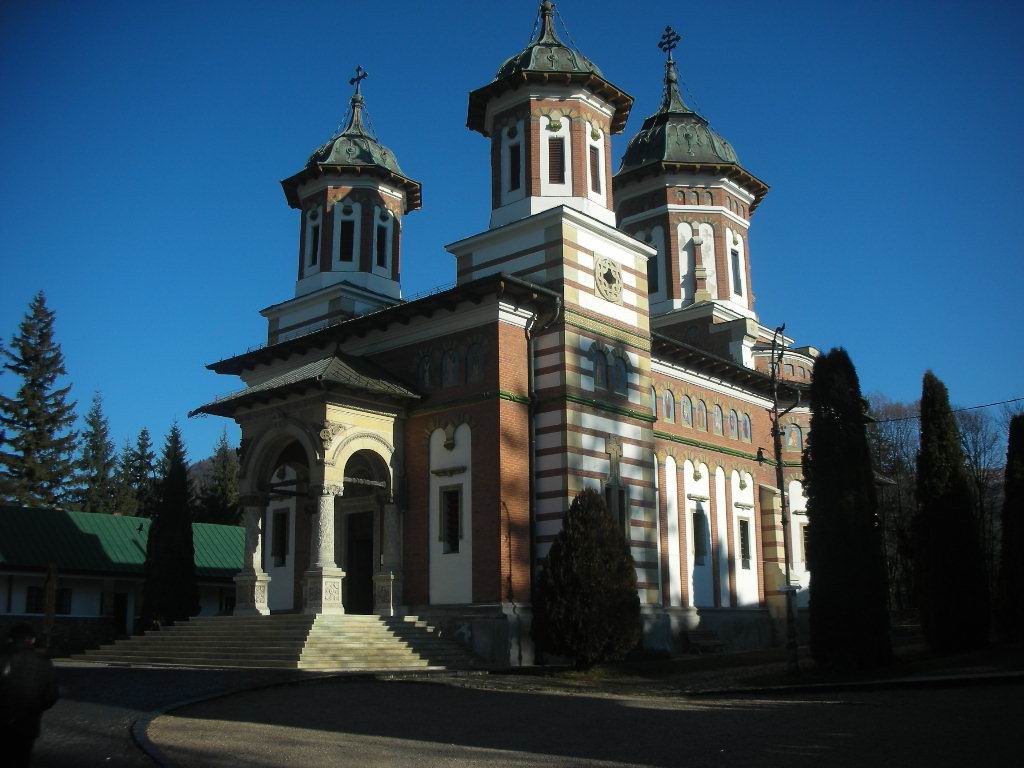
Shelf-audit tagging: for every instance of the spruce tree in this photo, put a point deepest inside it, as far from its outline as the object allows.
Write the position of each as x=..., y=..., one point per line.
x=849, y=620
x=218, y=501
x=96, y=488
x=1010, y=597
x=587, y=607
x=37, y=462
x=126, y=502
x=950, y=578
x=143, y=474
x=170, y=591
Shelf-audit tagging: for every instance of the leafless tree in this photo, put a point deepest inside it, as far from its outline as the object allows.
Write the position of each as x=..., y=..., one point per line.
x=983, y=439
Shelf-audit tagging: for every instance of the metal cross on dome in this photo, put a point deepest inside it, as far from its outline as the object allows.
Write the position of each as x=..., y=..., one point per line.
x=361, y=74
x=669, y=40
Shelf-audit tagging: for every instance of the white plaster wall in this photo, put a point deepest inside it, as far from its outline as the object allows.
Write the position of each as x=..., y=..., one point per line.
x=675, y=584
x=722, y=537
x=451, y=575
x=547, y=189
x=707, y=250
x=507, y=195
x=355, y=217
x=598, y=144
x=698, y=494
x=743, y=508
x=797, y=519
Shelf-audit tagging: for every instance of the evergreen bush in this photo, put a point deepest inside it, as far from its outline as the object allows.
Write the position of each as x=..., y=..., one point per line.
x=587, y=608
x=1010, y=597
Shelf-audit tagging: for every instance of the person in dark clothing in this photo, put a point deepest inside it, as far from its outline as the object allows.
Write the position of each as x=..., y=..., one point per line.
x=28, y=687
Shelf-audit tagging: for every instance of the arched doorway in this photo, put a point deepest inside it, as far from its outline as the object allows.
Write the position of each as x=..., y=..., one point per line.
x=283, y=525
x=367, y=487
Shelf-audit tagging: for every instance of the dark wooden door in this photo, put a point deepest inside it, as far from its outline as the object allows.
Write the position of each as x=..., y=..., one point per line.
x=359, y=570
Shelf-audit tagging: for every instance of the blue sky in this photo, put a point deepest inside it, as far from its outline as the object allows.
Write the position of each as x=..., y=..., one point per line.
x=142, y=145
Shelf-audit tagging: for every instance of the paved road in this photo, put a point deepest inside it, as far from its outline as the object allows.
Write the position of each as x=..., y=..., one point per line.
x=369, y=723
x=89, y=725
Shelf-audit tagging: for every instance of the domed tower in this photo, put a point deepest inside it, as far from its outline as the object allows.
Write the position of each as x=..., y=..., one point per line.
x=549, y=113
x=682, y=190
x=352, y=194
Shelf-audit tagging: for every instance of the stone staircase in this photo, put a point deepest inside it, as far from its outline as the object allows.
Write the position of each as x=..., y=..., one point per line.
x=292, y=641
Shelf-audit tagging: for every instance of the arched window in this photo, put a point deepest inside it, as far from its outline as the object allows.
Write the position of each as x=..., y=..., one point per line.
x=686, y=411
x=450, y=369
x=708, y=199
x=600, y=368
x=794, y=438
x=668, y=406
x=474, y=364
x=620, y=376
x=654, y=402
x=745, y=431
x=717, y=420
x=787, y=369
x=734, y=425
x=702, y=416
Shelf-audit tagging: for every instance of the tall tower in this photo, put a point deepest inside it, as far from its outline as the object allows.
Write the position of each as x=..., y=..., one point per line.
x=682, y=190
x=549, y=113
x=352, y=195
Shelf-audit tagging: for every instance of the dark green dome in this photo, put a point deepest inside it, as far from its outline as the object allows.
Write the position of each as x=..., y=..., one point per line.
x=676, y=134
x=356, y=145
x=547, y=53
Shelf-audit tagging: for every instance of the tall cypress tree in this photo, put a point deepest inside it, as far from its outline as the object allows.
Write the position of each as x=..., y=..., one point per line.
x=143, y=474
x=951, y=583
x=97, y=490
x=37, y=462
x=848, y=615
x=218, y=499
x=170, y=591
x=1010, y=597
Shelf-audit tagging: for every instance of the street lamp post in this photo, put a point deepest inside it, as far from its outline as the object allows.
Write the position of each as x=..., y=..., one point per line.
x=792, y=658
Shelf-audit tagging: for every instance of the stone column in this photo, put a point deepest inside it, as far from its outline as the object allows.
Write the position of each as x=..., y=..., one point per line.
x=774, y=558
x=322, y=582
x=251, y=582
x=387, y=581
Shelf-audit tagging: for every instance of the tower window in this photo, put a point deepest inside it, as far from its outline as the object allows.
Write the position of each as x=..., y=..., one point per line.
x=314, y=246
x=514, y=158
x=737, y=280
x=745, y=544
x=347, y=238
x=382, y=245
x=595, y=170
x=701, y=536
x=450, y=519
x=556, y=160
x=652, y=274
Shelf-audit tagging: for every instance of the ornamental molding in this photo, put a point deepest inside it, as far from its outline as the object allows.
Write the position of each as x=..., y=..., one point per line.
x=608, y=276
x=328, y=430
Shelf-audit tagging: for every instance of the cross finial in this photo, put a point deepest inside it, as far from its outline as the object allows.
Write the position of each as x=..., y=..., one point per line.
x=669, y=40
x=361, y=74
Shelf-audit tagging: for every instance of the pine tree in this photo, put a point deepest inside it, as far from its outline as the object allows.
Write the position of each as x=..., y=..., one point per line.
x=170, y=591
x=37, y=462
x=849, y=590
x=1010, y=597
x=587, y=606
x=96, y=491
x=950, y=578
x=218, y=502
x=126, y=501
x=143, y=474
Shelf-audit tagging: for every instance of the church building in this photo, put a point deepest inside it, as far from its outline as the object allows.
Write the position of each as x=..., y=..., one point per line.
x=416, y=457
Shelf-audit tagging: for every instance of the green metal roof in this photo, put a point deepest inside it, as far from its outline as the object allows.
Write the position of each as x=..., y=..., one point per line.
x=546, y=53
x=86, y=542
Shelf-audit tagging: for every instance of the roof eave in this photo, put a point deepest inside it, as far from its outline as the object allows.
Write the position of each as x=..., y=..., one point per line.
x=478, y=99
x=413, y=189
x=733, y=171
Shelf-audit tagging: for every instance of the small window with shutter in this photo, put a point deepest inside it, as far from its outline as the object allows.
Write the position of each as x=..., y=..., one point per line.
x=556, y=160
x=745, y=544
x=314, y=246
x=382, y=245
x=595, y=170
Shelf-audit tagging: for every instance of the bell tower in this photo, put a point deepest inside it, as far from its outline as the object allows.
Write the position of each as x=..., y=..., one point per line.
x=550, y=114
x=352, y=195
x=682, y=190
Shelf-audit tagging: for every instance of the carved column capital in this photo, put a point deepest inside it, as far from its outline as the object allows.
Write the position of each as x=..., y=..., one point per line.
x=332, y=489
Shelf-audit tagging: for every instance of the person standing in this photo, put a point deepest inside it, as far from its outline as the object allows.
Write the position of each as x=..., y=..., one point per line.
x=28, y=687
